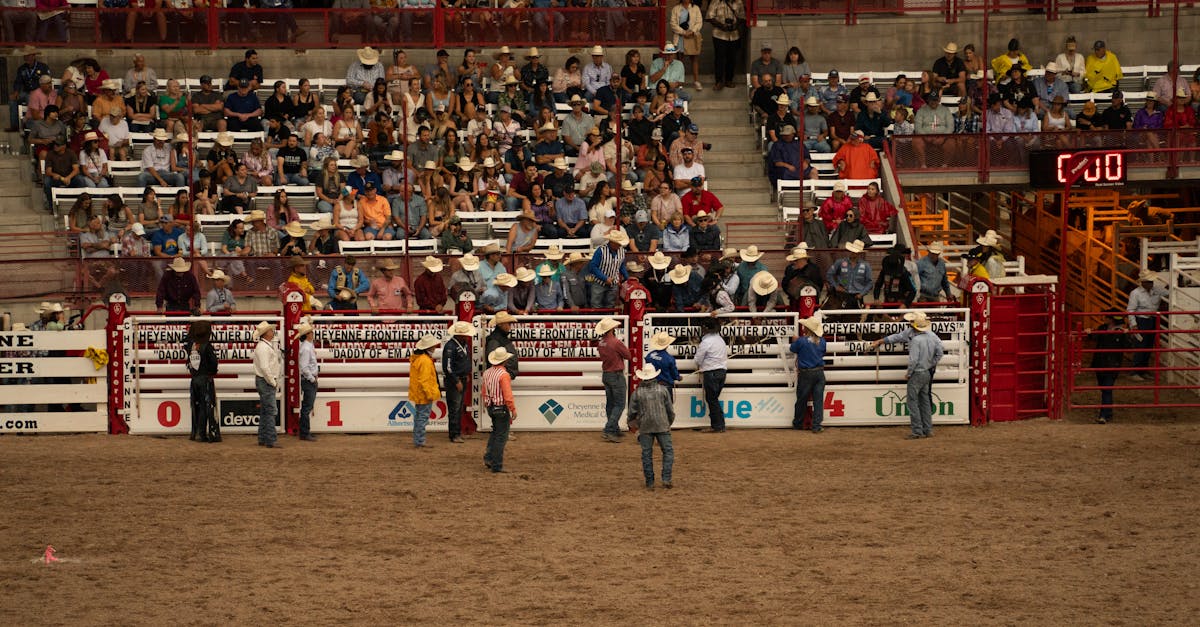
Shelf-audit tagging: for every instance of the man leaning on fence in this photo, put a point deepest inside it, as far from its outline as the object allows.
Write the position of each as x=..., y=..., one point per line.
x=1144, y=302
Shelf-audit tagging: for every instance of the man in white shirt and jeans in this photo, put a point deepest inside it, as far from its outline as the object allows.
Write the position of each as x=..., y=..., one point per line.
x=268, y=368
x=711, y=357
x=1144, y=302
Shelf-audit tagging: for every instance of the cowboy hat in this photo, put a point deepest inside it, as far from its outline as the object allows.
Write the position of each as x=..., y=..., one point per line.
x=263, y=328
x=548, y=126
x=367, y=56
x=427, y=342
x=533, y=52
x=628, y=186
x=856, y=246
x=179, y=264
x=361, y=161
x=524, y=275
x=19, y=326
x=304, y=328
x=294, y=229
x=43, y=307
x=91, y=136
x=58, y=308
x=256, y=215
x=647, y=372
x=554, y=252
x=429, y=165
x=527, y=215
x=617, y=237
x=462, y=327
x=502, y=51
x=160, y=135
x=488, y=163
x=811, y=101
x=491, y=249
x=658, y=261
x=935, y=248
x=950, y=48
x=661, y=340
x=813, y=324
x=764, y=284
x=839, y=186
x=296, y=260
x=560, y=163
x=787, y=129
x=605, y=325
x=511, y=80
x=729, y=253
x=670, y=49
x=499, y=356
x=545, y=270
x=1052, y=67
x=990, y=239
x=750, y=254
x=576, y=99
x=25, y=51
x=345, y=294
x=505, y=279
x=465, y=164
x=469, y=262
x=432, y=264
x=322, y=224
x=783, y=100
x=394, y=155
x=576, y=257
x=680, y=274
x=1147, y=275
x=799, y=252
x=634, y=267
x=390, y=264
x=224, y=139
x=108, y=83
x=597, y=51
x=218, y=275
x=502, y=318
x=871, y=97
x=919, y=320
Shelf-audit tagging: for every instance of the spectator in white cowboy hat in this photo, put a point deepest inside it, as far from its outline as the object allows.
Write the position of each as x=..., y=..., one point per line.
x=1145, y=301
x=268, y=380
x=652, y=409
x=703, y=235
x=1047, y=87
x=685, y=287
x=292, y=242
x=765, y=294
x=362, y=73
x=801, y=272
x=389, y=292
x=492, y=265
x=220, y=299
x=178, y=290
x=859, y=94
x=467, y=278
x=548, y=292
x=990, y=255
x=613, y=357
x=746, y=270
x=521, y=298
x=849, y=278
x=423, y=388
x=597, y=73
x=157, y=159
x=809, y=348
x=931, y=275
x=498, y=400
x=573, y=276
x=495, y=298
x=782, y=116
x=670, y=69
x=324, y=241
x=428, y=288
x=607, y=269
x=924, y=353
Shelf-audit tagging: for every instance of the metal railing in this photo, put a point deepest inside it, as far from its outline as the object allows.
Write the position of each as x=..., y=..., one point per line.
x=950, y=10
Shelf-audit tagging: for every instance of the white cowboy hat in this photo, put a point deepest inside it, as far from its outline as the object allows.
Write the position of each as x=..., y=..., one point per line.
x=263, y=328
x=545, y=270
x=597, y=51
x=58, y=308
x=179, y=264
x=19, y=326
x=547, y=127
x=218, y=275
x=658, y=261
x=500, y=355
x=502, y=317
x=524, y=275
x=511, y=80
x=634, y=267
x=367, y=56
x=1052, y=67
x=502, y=51
x=990, y=239
x=856, y=246
x=505, y=279
x=395, y=155
x=304, y=328
x=680, y=274
x=295, y=229
x=345, y=294
x=935, y=248
x=554, y=252
x=811, y=101
x=950, y=48
x=670, y=49
x=469, y=262
x=432, y=264
x=661, y=340
x=919, y=320
x=533, y=52
x=160, y=135
x=870, y=97
x=465, y=164
x=108, y=83
x=647, y=372
x=576, y=98
x=764, y=284
x=782, y=99
x=427, y=342
x=628, y=186
x=491, y=249
x=322, y=224
x=617, y=237
x=799, y=252
x=576, y=257
x=429, y=165
x=462, y=327
x=314, y=303
x=750, y=254
x=605, y=325
x=1147, y=275
x=224, y=139
x=361, y=161
x=814, y=324
x=43, y=307
x=839, y=186
x=730, y=253
x=489, y=163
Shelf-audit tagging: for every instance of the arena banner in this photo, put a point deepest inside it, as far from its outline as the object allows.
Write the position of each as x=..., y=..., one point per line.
x=559, y=387
x=48, y=385
x=156, y=382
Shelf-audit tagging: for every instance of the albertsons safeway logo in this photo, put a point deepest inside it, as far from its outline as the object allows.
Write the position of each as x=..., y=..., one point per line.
x=551, y=410
x=402, y=414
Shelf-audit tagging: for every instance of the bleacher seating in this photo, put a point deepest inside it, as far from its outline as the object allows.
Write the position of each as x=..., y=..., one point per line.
x=793, y=195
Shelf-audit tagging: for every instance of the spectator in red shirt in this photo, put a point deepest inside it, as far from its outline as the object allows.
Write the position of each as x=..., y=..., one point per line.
x=875, y=212
x=856, y=160
x=698, y=199
x=835, y=207
x=429, y=288
x=1180, y=115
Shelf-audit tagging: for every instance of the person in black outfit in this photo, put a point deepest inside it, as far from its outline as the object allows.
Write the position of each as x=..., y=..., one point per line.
x=1117, y=117
x=202, y=365
x=502, y=323
x=456, y=370
x=1112, y=340
x=894, y=280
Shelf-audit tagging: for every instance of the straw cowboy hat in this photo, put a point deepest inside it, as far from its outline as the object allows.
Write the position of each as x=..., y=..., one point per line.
x=489, y=163
x=990, y=239
x=367, y=56
x=547, y=127
x=811, y=101
x=502, y=318
x=491, y=249
x=533, y=52
x=294, y=229
x=628, y=186
x=524, y=275
x=303, y=329
x=511, y=80
x=527, y=215
x=661, y=340
x=764, y=284
x=25, y=51
x=919, y=320
x=58, y=308
x=432, y=264
x=43, y=307
x=839, y=186
x=658, y=261
x=361, y=161
x=224, y=139
x=395, y=155
x=461, y=327
x=505, y=279
x=160, y=135
x=576, y=257
x=545, y=270
x=465, y=164
x=560, y=163
x=935, y=248
x=1147, y=275
x=297, y=260
x=617, y=237
x=783, y=100
x=680, y=274
x=605, y=325
x=950, y=48
x=427, y=342
x=647, y=372
x=257, y=215
x=634, y=267
x=501, y=52
x=180, y=138
x=750, y=254
x=576, y=98
x=499, y=356
x=179, y=264
x=856, y=246
x=597, y=51
x=429, y=165
x=554, y=252
x=730, y=253
x=469, y=262
x=91, y=136
x=799, y=252
x=345, y=294
x=814, y=324
x=871, y=97
x=389, y=264
x=109, y=83
x=322, y=224
x=263, y=328
x=218, y=275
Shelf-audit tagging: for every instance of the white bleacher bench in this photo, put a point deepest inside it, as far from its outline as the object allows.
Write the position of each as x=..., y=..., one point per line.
x=389, y=247
x=125, y=173
x=788, y=193
x=568, y=245
x=64, y=197
x=302, y=198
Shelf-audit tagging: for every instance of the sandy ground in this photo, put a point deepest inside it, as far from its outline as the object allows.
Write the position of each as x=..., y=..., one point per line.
x=1028, y=523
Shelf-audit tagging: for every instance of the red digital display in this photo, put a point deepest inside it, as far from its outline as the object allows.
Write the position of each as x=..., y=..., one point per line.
x=1053, y=168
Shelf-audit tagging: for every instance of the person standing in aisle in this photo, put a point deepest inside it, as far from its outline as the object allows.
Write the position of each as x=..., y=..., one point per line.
x=712, y=356
x=924, y=353
x=613, y=356
x=498, y=398
x=268, y=367
x=202, y=365
x=810, y=373
x=654, y=413
x=309, y=371
x=422, y=387
x=456, y=373
x=728, y=17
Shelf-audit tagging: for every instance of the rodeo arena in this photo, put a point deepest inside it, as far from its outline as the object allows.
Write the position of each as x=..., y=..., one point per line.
x=600, y=312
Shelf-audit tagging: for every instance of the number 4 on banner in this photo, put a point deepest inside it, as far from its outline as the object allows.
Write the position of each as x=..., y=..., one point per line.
x=833, y=407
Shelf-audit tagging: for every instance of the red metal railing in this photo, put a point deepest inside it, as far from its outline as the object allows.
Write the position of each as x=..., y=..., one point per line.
x=950, y=10
x=212, y=28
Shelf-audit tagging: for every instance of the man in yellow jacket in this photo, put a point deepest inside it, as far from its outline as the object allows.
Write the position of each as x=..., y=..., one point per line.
x=1102, y=70
x=423, y=388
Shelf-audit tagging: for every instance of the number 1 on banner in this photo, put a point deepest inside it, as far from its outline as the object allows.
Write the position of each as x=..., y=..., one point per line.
x=335, y=414
x=833, y=407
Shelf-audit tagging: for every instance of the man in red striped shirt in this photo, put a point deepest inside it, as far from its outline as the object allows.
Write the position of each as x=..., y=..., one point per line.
x=498, y=398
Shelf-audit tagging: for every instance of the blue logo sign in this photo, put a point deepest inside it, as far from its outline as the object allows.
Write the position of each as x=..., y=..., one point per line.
x=402, y=412
x=551, y=410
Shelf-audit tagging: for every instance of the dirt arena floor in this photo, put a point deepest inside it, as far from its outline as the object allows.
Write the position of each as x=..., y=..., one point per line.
x=1055, y=523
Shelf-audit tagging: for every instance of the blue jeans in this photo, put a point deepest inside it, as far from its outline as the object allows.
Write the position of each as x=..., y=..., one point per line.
x=603, y=296
x=920, y=406
x=291, y=179
x=172, y=179
x=1105, y=379
x=308, y=398
x=454, y=405
x=615, y=395
x=1141, y=357
x=494, y=456
x=324, y=206
x=810, y=384
x=714, y=382
x=267, y=412
x=647, y=441
x=817, y=145
x=420, y=421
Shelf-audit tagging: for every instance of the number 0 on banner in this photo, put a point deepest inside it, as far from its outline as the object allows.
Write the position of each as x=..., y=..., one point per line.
x=169, y=414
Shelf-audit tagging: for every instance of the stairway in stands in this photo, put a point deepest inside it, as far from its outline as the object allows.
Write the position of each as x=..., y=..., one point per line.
x=734, y=166
x=21, y=210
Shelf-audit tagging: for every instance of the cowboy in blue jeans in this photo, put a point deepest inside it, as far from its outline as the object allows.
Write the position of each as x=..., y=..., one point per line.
x=810, y=373
x=654, y=413
x=613, y=356
x=268, y=368
x=309, y=369
x=924, y=353
x=712, y=355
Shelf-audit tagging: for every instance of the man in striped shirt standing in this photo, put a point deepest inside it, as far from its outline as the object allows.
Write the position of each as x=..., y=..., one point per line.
x=607, y=269
x=498, y=398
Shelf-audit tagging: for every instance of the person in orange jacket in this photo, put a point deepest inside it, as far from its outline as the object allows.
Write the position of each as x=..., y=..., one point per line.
x=423, y=388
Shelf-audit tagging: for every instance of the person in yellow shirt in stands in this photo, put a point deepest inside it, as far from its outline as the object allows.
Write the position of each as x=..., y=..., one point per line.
x=1003, y=63
x=299, y=279
x=1102, y=70
x=423, y=390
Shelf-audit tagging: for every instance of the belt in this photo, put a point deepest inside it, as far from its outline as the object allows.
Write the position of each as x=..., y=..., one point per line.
x=813, y=368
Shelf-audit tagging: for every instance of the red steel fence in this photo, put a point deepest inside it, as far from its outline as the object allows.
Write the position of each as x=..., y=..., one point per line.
x=949, y=10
